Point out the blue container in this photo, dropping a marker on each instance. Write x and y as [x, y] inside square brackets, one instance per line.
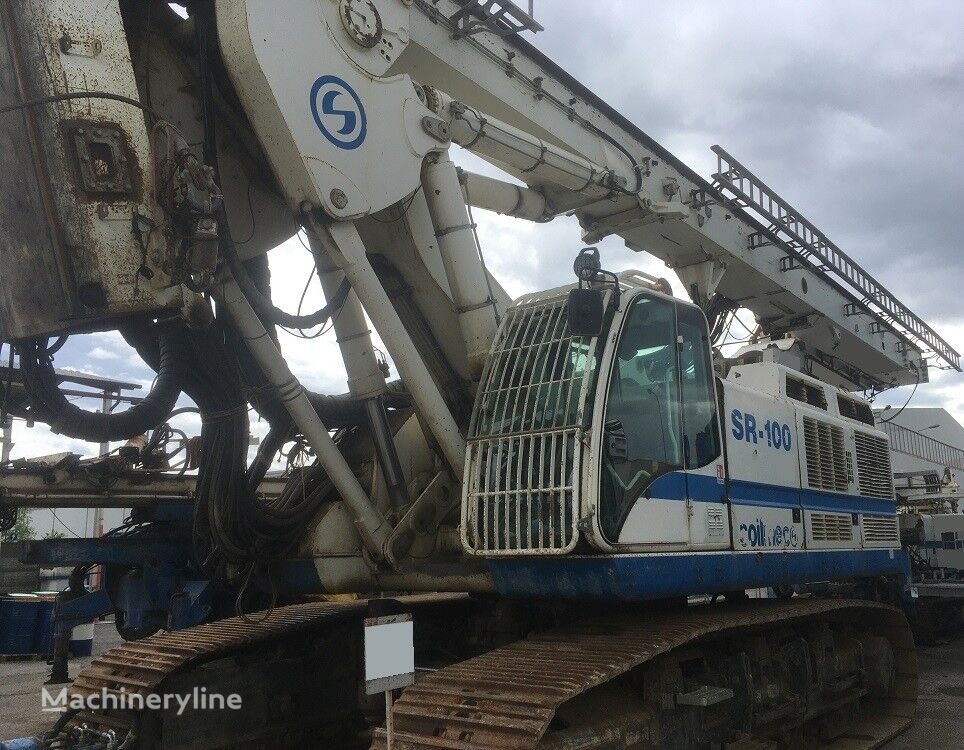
[18, 625]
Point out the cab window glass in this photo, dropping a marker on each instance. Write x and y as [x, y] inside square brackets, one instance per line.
[701, 437]
[643, 431]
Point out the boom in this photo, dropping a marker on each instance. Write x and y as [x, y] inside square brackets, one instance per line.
[497, 95]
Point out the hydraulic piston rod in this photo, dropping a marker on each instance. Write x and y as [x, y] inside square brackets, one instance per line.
[348, 251]
[372, 527]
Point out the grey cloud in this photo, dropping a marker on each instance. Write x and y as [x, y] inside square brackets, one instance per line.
[853, 111]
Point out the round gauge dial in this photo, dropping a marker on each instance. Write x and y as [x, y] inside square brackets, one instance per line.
[362, 21]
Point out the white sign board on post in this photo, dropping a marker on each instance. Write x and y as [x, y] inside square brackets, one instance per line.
[389, 659]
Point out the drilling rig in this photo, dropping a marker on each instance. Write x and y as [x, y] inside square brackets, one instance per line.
[550, 481]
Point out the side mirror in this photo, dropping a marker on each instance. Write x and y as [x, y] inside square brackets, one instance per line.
[585, 312]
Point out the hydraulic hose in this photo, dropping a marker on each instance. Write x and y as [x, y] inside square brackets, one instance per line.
[40, 380]
[261, 304]
[206, 34]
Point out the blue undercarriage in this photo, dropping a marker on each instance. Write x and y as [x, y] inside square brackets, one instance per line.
[665, 575]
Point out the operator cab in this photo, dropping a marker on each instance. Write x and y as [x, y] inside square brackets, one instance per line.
[597, 435]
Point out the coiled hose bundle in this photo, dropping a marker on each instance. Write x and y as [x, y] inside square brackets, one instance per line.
[48, 404]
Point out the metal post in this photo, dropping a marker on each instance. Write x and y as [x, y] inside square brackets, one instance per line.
[389, 722]
[371, 526]
[107, 402]
[384, 443]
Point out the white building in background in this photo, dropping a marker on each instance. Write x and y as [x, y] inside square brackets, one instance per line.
[927, 456]
[931, 422]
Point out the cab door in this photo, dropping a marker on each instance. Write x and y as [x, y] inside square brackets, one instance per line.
[648, 439]
[702, 443]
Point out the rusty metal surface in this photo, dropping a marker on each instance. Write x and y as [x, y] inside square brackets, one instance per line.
[140, 667]
[506, 698]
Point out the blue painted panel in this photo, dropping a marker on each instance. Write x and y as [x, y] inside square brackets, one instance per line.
[763, 495]
[671, 486]
[679, 485]
[659, 576]
[704, 489]
[816, 500]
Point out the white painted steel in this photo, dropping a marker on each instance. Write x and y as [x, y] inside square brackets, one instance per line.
[540, 160]
[276, 61]
[455, 233]
[365, 376]
[348, 251]
[503, 197]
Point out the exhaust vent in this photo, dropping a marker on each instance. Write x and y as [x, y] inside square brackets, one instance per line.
[881, 531]
[826, 456]
[851, 408]
[808, 393]
[874, 477]
[831, 527]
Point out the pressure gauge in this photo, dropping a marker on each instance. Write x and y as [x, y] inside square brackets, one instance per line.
[362, 22]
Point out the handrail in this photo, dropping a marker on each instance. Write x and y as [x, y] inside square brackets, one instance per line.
[913, 443]
[807, 240]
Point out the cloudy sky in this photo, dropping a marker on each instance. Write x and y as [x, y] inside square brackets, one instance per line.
[854, 111]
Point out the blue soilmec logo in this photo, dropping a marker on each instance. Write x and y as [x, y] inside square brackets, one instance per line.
[758, 534]
[338, 112]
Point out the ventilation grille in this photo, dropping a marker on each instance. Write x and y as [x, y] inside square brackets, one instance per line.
[808, 393]
[831, 527]
[826, 457]
[853, 409]
[521, 479]
[881, 530]
[874, 477]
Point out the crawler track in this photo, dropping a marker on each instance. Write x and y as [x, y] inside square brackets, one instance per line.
[507, 699]
[612, 681]
[152, 665]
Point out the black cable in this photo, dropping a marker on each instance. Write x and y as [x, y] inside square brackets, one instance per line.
[262, 305]
[301, 301]
[79, 95]
[59, 520]
[894, 416]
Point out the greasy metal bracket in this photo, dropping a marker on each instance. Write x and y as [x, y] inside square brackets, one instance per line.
[102, 158]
